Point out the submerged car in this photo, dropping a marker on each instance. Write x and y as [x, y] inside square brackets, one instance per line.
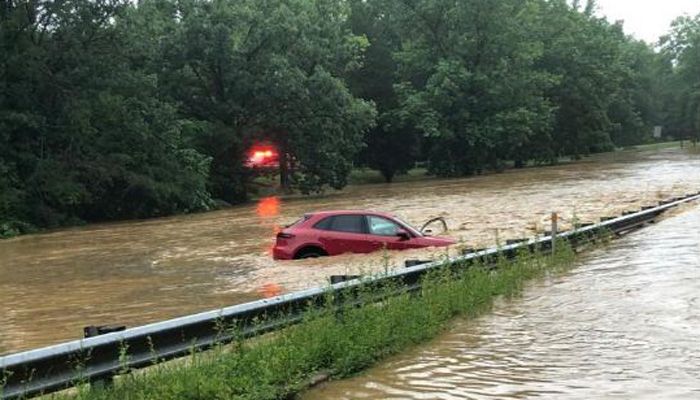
[330, 233]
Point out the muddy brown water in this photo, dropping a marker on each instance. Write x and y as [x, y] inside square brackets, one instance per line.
[623, 324]
[53, 284]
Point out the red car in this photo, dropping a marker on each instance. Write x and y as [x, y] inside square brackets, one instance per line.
[330, 233]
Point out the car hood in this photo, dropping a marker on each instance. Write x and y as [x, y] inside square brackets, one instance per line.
[439, 240]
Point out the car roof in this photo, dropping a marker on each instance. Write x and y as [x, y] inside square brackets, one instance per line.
[349, 212]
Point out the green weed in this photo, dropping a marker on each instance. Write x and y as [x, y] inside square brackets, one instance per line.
[339, 338]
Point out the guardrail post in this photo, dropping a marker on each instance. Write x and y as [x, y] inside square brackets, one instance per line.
[91, 331]
[343, 278]
[413, 263]
[555, 219]
[338, 301]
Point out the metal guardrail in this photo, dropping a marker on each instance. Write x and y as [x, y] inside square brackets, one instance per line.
[61, 366]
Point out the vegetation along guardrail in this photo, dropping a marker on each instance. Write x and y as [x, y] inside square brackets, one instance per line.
[64, 365]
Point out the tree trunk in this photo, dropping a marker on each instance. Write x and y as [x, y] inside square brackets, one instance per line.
[388, 174]
[285, 183]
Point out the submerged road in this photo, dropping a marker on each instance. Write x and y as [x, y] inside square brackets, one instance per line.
[623, 324]
[131, 273]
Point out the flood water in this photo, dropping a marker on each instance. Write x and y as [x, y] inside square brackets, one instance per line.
[130, 273]
[623, 324]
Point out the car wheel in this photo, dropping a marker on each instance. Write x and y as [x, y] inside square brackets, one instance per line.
[310, 254]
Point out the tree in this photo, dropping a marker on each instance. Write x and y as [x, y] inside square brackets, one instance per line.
[469, 82]
[581, 52]
[86, 136]
[682, 48]
[268, 71]
[114, 109]
[392, 145]
[635, 107]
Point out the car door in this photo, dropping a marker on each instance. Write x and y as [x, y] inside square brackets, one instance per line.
[386, 232]
[346, 234]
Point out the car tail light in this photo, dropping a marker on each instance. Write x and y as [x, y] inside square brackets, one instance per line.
[284, 235]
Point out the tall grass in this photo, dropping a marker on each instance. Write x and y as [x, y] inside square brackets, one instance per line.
[340, 341]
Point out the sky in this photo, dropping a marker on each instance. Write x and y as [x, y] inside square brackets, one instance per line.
[647, 19]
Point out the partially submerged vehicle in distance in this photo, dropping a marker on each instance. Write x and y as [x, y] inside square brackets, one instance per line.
[329, 233]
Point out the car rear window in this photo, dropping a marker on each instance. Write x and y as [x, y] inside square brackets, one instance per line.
[342, 223]
[300, 220]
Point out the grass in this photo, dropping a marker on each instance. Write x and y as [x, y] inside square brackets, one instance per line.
[279, 365]
[363, 176]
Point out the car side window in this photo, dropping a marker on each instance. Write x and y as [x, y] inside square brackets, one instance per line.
[342, 223]
[382, 226]
[348, 223]
[324, 224]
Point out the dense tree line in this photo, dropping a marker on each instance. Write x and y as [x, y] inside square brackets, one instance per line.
[111, 109]
[680, 78]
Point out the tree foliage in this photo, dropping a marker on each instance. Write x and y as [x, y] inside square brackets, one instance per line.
[468, 82]
[474, 85]
[83, 132]
[681, 49]
[112, 109]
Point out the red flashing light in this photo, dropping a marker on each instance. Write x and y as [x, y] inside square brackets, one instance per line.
[263, 156]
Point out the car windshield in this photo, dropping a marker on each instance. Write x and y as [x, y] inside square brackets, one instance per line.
[382, 226]
[408, 226]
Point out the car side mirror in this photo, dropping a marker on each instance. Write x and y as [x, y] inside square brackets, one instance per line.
[403, 235]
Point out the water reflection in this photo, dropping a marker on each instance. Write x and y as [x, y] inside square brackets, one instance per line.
[269, 290]
[51, 285]
[268, 207]
[623, 324]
